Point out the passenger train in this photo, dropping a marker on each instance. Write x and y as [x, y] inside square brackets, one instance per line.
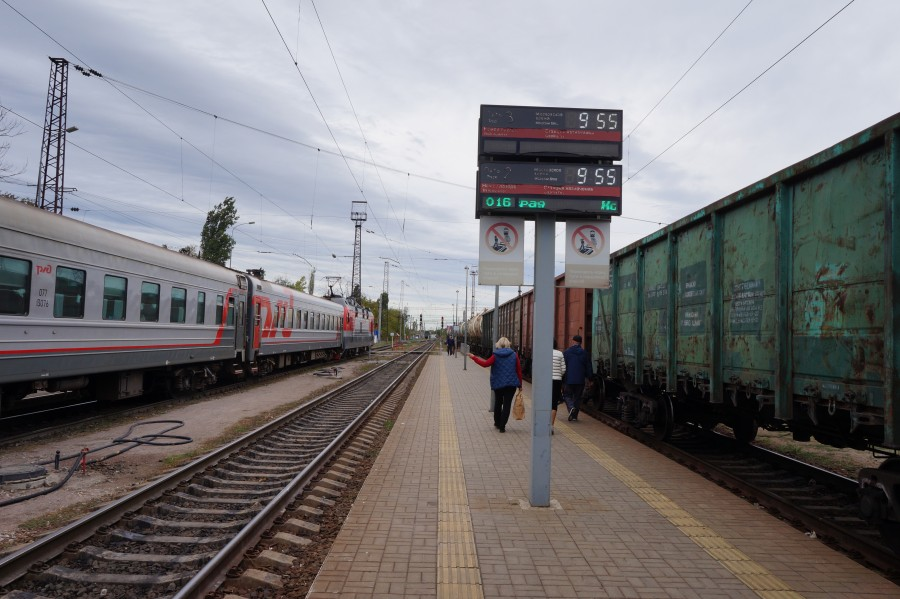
[86, 308]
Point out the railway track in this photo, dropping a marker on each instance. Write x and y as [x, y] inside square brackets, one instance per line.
[817, 501]
[182, 535]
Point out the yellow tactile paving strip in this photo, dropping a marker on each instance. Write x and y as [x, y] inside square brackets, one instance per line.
[757, 578]
[458, 574]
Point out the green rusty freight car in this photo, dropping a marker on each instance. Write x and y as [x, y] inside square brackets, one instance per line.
[775, 306]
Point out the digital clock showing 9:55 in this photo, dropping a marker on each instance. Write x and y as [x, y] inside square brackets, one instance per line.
[565, 133]
[518, 188]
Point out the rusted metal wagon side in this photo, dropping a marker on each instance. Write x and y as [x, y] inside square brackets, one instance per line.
[774, 306]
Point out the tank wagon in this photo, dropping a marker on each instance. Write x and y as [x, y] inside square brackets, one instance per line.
[86, 308]
[515, 319]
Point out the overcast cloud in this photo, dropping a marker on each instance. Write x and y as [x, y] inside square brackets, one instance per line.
[149, 159]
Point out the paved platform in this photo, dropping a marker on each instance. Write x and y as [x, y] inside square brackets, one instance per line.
[445, 513]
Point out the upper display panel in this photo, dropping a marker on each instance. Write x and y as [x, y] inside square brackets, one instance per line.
[532, 131]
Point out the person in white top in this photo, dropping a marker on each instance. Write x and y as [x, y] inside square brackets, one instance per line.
[559, 369]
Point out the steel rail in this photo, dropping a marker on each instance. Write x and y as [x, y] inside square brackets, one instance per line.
[214, 571]
[873, 552]
[16, 564]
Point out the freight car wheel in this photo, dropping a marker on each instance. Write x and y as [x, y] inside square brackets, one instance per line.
[664, 422]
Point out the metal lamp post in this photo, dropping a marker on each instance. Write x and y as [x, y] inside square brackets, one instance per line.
[312, 273]
[232, 238]
[384, 291]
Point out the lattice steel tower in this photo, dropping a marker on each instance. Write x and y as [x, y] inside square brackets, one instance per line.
[358, 216]
[53, 151]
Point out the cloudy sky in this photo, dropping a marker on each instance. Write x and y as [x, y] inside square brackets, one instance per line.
[299, 108]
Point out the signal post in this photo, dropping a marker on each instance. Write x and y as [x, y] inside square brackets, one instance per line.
[547, 165]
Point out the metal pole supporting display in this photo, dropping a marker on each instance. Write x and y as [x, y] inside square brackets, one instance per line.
[541, 372]
[464, 322]
[495, 336]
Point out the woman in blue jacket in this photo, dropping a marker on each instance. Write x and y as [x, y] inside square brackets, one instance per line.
[506, 377]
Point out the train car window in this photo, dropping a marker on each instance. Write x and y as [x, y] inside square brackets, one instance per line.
[68, 297]
[178, 307]
[290, 319]
[15, 285]
[282, 311]
[230, 321]
[305, 319]
[220, 307]
[201, 307]
[149, 302]
[240, 314]
[115, 292]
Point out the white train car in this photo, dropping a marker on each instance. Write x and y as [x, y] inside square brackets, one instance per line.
[290, 327]
[86, 308]
[358, 326]
[80, 306]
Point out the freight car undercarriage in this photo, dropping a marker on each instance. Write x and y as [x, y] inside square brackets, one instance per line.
[838, 422]
[829, 420]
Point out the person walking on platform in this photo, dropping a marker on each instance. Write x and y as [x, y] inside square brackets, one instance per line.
[578, 373]
[559, 369]
[451, 344]
[506, 377]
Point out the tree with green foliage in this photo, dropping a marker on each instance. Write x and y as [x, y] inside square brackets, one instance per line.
[299, 284]
[216, 243]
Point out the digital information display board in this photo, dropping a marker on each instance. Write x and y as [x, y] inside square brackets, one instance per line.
[531, 131]
[530, 188]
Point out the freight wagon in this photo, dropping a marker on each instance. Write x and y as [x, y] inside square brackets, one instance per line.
[775, 306]
[515, 319]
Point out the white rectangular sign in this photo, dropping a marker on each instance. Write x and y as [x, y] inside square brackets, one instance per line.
[587, 254]
[501, 251]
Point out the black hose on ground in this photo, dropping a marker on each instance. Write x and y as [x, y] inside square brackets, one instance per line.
[149, 439]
